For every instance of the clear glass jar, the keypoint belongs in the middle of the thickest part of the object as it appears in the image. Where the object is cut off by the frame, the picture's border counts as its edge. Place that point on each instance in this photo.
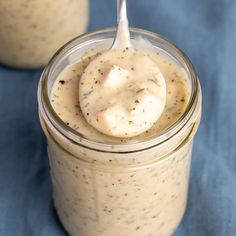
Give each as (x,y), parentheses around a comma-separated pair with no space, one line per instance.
(32,31)
(109,189)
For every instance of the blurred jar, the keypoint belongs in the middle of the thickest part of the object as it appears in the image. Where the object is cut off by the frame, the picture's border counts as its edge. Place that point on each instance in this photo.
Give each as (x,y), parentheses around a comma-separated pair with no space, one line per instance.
(32,30)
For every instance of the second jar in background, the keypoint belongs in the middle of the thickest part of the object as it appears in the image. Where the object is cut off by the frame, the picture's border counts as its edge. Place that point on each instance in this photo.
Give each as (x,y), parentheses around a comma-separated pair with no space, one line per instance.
(31,31)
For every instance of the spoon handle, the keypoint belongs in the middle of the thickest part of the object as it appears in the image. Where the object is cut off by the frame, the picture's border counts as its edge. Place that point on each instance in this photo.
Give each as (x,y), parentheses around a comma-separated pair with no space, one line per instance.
(121,10)
(122,35)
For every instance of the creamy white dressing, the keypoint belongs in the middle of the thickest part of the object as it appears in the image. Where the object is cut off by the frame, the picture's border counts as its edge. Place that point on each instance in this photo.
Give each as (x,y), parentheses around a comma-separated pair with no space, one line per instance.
(65,99)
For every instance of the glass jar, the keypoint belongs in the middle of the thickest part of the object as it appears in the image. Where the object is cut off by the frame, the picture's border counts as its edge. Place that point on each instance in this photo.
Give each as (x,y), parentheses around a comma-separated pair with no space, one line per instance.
(125,189)
(32,31)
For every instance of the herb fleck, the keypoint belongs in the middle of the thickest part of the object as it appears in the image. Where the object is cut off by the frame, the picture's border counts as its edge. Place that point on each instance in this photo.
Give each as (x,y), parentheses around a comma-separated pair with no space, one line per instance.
(87,94)
(140,90)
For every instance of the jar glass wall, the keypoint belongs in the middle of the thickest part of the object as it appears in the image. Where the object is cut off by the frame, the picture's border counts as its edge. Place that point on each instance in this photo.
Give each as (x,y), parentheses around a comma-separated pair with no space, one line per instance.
(119,189)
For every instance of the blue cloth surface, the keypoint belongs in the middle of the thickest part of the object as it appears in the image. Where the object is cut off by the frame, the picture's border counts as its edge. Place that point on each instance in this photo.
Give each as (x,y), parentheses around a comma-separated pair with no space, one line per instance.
(206,31)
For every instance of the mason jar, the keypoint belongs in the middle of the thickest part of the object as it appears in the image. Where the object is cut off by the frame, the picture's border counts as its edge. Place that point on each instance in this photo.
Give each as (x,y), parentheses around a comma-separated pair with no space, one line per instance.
(104,189)
(32,31)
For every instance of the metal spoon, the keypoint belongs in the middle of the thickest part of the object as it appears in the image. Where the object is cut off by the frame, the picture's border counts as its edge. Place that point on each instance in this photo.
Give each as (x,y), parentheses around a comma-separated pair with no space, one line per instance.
(122,38)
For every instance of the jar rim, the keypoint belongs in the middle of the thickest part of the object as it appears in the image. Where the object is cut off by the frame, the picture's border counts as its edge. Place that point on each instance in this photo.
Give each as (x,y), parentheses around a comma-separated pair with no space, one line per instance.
(78,138)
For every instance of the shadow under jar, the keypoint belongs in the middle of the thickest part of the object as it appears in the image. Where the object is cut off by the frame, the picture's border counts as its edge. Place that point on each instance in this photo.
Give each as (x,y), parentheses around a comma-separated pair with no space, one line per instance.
(32,31)
(120,189)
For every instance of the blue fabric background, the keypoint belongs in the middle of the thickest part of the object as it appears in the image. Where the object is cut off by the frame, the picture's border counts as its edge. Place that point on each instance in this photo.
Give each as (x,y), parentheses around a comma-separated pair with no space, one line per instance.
(206,31)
